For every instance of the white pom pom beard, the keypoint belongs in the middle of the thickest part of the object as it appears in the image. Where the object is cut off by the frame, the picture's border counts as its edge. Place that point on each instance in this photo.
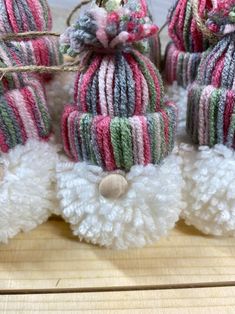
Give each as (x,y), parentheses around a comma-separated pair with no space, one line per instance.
(209,175)
(146,212)
(27,189)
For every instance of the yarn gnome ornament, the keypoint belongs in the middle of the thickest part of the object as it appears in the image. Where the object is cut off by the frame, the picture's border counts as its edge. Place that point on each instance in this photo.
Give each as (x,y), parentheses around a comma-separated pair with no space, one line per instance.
(122,188)
(184,53)
(209,170)
(27,155)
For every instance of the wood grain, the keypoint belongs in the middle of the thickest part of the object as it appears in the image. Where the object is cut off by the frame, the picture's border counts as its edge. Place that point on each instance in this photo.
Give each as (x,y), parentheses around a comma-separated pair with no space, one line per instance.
(51,258)
(185,301)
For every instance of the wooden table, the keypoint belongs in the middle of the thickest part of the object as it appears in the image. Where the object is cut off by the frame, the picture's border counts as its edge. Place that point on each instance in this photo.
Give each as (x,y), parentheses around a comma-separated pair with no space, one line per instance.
(49,271)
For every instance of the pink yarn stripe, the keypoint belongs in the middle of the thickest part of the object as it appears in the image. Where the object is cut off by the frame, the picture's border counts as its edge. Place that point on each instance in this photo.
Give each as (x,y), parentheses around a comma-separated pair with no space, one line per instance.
(145,94)
(175,19)
(102,85)
(31,107)
(175,57)
(3,145)
(109,86)
(16,99)
(12,20)
(64,128)
(217,72)
(35,7)
(107,145)
(155,78)
(76,87)
(99,135)
(139,140)
(228,112)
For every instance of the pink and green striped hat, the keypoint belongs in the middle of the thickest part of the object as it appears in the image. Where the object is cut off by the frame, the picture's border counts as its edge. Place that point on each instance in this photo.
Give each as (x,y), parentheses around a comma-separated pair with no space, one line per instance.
(184,52)
(120,116)
(211,99)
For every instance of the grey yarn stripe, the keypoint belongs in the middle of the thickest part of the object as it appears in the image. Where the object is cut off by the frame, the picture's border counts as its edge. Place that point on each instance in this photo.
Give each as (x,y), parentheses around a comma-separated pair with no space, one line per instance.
(226,81)
(130,89)
(151,133)
(123,86)
(213,60)
(18,15)
(228,78)
(30,19)
(5,129)
(93,92)
(85,152)
(89,96)
(14,121)
(220,121)
(117,92)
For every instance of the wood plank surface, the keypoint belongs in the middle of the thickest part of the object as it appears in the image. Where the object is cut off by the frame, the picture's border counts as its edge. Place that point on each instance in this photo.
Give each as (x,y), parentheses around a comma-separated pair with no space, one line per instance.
(51,258)
(185,301)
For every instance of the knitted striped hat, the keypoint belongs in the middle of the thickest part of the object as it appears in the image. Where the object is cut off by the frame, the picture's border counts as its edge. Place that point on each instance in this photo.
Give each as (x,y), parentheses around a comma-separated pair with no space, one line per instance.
(120,117)
(211,99)
(183,54)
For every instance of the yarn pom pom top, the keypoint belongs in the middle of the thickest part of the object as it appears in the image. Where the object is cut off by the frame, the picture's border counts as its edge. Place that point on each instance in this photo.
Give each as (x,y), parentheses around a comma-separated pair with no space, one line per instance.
(211,99)
(121,191)
(120,116)
(184,53)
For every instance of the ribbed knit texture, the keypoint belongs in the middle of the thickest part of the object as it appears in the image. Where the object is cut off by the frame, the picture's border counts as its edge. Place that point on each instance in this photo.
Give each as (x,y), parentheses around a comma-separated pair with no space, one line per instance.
(23,109)
(211,100)
(183,54)
(18,16)
(120,117)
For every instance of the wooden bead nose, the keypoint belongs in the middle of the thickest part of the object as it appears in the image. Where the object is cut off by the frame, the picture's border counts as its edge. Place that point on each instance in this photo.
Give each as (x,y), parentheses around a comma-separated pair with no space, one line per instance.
(113,186)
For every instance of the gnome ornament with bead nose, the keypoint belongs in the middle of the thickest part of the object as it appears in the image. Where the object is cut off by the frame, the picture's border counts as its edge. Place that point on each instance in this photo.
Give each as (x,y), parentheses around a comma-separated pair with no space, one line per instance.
(121,187)
(209,170)
(27,152)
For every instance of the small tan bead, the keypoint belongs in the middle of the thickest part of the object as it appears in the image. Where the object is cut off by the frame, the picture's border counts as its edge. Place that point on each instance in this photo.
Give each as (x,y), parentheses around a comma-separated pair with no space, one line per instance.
(113,186)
